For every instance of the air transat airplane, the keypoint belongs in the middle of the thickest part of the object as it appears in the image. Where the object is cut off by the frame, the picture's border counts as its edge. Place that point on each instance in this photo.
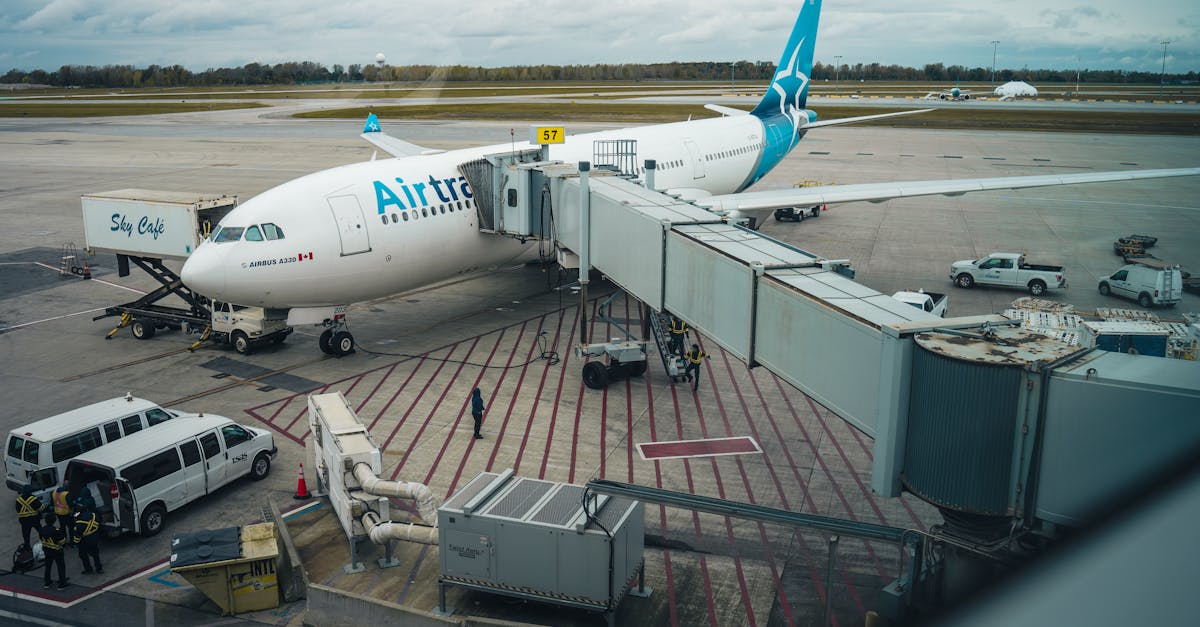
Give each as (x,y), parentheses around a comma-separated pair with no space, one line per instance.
(368,230)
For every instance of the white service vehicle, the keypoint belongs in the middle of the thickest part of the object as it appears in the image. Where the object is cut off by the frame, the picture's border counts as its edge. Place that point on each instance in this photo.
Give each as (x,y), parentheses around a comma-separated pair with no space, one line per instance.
(37,453)
(1149,286)
(146,475)
(1007,270)
(930,302)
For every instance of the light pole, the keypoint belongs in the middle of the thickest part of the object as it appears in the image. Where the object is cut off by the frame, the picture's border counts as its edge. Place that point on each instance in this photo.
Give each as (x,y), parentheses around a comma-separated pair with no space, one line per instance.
(995,42)
(837,70)
(732,85)
(1162,78)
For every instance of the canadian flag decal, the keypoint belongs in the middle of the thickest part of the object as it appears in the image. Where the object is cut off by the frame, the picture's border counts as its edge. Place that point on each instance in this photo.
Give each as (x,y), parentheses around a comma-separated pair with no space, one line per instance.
(303,256)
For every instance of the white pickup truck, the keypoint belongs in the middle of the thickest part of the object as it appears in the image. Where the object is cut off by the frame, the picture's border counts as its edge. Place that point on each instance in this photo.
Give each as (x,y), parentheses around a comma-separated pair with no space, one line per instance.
(1007,270)
(929,302)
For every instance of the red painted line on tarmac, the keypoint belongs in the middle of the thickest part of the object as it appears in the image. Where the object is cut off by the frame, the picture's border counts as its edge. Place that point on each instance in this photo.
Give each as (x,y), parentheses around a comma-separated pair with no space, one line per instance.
(687,471)
(424,425)
(537,397)
(907,506)
(672,610)
(491,399)
(579,405)
(375,390)
(512,401)
(288,428)
(442,361)
(395,395)
(452,432)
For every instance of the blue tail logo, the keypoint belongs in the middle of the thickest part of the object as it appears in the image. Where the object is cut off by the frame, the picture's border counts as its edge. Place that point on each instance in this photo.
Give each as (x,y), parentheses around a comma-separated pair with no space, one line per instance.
(372,125)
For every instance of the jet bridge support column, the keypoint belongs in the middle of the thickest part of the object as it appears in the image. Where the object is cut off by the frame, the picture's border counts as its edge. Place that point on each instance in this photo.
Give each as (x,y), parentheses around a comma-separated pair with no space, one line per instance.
(585,220)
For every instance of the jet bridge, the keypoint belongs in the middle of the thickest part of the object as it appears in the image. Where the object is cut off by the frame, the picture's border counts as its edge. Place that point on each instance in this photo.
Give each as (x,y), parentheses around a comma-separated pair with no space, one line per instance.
(992,424)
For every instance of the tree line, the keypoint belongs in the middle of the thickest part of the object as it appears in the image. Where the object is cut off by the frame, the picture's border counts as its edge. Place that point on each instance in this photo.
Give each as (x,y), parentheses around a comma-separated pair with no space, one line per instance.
(309,72)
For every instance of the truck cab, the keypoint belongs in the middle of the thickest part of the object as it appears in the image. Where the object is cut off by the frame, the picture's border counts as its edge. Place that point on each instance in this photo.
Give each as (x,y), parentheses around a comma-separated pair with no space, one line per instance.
(244,327)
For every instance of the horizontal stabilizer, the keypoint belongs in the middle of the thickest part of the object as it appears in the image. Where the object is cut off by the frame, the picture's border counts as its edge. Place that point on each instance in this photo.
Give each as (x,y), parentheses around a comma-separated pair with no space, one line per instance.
(863,118)
(879,192)
(729,111)
(391,145)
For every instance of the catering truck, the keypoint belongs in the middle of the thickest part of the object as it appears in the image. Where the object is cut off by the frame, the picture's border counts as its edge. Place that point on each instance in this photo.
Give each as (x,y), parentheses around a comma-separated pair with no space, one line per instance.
(1007,270)
(146,227)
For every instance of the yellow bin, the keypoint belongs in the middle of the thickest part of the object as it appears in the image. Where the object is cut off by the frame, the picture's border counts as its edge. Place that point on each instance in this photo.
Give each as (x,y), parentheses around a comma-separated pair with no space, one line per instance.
(238,584)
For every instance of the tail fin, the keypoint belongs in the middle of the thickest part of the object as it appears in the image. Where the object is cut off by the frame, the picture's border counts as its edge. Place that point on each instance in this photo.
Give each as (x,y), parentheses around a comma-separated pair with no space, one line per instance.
(789,88)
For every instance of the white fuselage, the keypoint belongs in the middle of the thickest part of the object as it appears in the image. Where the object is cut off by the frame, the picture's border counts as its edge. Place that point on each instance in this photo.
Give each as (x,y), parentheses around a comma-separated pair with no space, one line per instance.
(418,221)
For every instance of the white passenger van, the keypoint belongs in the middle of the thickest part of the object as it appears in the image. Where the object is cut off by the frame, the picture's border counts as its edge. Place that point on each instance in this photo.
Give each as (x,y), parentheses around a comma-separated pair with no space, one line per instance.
(38,453)
(1160,284)
(142,477)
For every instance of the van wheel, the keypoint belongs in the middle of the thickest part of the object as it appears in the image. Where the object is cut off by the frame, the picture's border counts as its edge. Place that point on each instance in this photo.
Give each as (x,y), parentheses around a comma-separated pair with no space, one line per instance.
(1144,300)
(141,329)
(153,519)
(241,343)
(965,281)
(261,467)
(1104,290)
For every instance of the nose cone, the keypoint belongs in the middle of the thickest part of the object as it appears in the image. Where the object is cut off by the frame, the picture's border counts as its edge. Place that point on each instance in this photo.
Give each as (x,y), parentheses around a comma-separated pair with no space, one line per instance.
(204,273)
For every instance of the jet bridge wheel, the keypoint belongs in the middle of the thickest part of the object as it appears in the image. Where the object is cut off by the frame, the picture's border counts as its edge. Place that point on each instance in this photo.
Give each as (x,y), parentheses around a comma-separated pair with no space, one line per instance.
(595,375)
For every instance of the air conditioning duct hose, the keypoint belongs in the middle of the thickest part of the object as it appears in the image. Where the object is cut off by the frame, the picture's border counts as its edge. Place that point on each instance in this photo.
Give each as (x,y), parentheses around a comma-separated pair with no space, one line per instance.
(418,492)
(382,532)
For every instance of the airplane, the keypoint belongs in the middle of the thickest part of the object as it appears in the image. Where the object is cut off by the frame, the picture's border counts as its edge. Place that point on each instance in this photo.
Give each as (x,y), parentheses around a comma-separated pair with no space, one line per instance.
(317,244)
(954,93)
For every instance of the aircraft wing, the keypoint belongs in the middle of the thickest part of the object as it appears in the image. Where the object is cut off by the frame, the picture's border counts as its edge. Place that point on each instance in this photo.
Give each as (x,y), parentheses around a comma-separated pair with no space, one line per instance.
(727,111)
(879,192)
(391,145)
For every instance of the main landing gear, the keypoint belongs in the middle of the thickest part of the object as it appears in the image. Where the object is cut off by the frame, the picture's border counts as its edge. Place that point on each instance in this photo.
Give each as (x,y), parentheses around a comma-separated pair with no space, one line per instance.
(336,339)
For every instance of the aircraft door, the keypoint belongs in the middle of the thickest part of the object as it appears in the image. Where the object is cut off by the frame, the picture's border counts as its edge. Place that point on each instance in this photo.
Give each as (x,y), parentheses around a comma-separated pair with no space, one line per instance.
(697,159)
(352,228)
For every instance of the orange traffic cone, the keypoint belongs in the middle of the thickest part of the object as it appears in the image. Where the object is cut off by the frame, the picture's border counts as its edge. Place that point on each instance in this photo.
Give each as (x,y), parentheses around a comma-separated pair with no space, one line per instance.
(87,272)
(301,488)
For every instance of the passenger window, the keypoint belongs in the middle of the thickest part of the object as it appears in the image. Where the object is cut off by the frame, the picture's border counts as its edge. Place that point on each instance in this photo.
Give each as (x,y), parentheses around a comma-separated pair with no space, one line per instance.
(228,234)
(405,214)
(131,424)
(395,218)
(253,234)
(211,445)
(31,451)
(234,435)
(273,232)
(191,452)
(73,445)
(1006,264)
(152,469)
(444,209)
(1120,276)
(112,431)
(384,217)
(156,415)
(15,445)
(424,213)
(460,205)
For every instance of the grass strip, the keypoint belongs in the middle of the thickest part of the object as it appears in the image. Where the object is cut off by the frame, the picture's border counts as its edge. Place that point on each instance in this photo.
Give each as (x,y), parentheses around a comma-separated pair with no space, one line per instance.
(101,109)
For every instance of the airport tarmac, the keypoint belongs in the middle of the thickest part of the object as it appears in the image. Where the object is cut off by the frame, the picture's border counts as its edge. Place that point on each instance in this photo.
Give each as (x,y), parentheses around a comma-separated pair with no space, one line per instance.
(422,352)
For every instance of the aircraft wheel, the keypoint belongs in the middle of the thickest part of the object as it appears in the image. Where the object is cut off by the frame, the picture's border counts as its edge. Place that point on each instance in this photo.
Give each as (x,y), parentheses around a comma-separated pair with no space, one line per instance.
(343,343)
(326,342)
(595,375)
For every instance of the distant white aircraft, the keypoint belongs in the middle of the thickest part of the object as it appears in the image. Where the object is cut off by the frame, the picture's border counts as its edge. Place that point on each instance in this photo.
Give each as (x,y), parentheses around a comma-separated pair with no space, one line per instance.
(321,242)
(954,93)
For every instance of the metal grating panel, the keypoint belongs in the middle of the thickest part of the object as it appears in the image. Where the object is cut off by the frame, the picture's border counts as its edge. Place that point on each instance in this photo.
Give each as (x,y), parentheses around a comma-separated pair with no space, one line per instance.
(614,512)
(476,486)
(517,502)
(561,507)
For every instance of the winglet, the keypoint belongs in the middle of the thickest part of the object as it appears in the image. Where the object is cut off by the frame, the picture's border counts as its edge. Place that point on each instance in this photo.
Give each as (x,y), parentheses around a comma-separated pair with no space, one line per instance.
(372,125)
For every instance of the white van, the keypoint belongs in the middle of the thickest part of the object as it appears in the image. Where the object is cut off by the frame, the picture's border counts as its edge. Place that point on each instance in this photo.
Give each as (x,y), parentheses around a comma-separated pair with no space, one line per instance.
(136,481)
(37,453)
(1147,285)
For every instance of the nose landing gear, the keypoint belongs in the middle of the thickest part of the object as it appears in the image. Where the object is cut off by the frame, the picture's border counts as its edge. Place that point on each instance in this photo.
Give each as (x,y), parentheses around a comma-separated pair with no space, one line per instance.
(336,339)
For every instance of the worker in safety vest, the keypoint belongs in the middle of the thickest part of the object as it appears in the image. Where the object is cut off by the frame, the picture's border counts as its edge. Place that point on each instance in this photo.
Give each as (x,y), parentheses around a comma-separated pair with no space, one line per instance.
(86,526)
(679,330)
(60,499)
(694,357)
(29,511)
(53,542)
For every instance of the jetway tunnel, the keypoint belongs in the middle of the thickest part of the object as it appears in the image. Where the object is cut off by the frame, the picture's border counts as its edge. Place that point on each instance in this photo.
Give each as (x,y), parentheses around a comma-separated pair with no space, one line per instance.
(1008,433)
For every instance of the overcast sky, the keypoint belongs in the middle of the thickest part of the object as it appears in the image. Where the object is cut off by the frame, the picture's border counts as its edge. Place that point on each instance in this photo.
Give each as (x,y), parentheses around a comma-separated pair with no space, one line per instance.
(199,34)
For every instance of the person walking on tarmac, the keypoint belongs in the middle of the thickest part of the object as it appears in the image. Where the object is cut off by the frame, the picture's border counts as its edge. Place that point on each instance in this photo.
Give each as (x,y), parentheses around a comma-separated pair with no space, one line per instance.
(85,536)
(60,499)
(53,542)
(29,511)
(477,410)
(679,330)
(694,357)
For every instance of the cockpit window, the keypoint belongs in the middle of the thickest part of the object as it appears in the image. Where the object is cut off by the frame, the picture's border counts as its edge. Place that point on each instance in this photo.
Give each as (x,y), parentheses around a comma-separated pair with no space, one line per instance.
(272,231)
(253,234)
(228,234)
